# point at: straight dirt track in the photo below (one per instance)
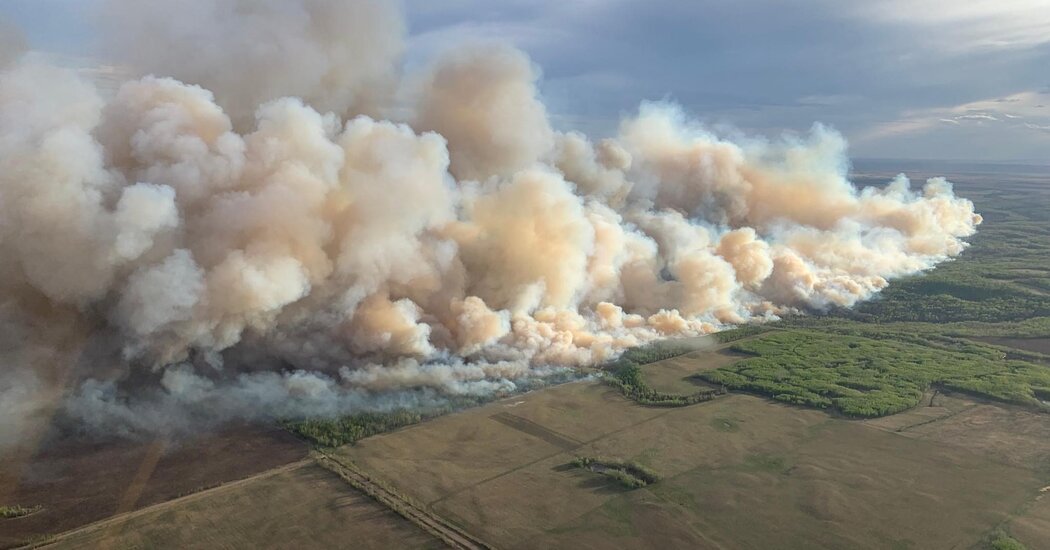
(114, 522)
(433, 524)
(78, 483)
(304, 504)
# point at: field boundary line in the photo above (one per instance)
(561, 451)
(117, 519)
(927, 422)
(430, 522)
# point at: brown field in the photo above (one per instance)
(79, 483)
(303, 506)
(936, 406)
(676, 375)
(1008, 435)
(1032, 525)
(1037, 345)
(738, 472)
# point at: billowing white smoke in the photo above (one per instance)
(309, 262)
(339, 56)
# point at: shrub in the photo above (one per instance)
(625, 479)
(999, 540)
(8, 512)
(626, 374)
(629, 474)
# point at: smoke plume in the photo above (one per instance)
(239, 234)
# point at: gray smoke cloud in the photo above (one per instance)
(12, 43)
(341, 57)
(240, 242)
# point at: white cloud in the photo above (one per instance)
(970, 24)
(1011, 127)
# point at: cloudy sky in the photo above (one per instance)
(942, 79)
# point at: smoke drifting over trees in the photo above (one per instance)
(255, 228)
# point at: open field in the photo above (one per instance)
(304, 506)
(1032, 526)
(1009, 435)
(679, 374)
(79, 483)
(725, 466)
(1037, 345)
(440, 528)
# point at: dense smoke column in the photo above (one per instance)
(244, 243)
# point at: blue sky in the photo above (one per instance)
(945, 79)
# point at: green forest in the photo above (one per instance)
(937, 329)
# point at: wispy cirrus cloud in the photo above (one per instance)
(965, 26)
(1018, 122)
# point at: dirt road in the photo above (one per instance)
(433, 524)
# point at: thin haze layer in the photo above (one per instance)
(204, 264)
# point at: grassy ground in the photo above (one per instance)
(79, 482)
(626, 374)
(305, 507)
(727, 467)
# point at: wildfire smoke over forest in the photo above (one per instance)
(276, 220)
